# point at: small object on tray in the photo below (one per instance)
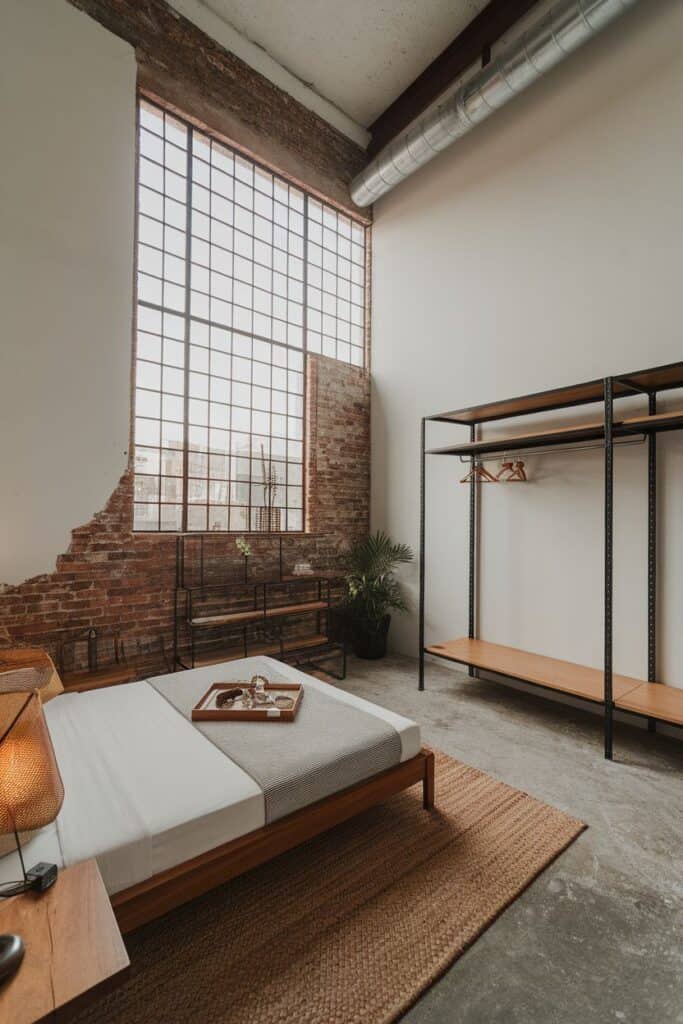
(228, 696)
(255, 701)
(283, 702)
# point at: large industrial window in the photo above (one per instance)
(240, 274)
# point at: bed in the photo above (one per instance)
(172, 808)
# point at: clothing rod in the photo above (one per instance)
(525, 452)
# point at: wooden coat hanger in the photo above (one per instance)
(479, 472)
(515, 471)
(518, 472)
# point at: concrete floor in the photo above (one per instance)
(599, 936)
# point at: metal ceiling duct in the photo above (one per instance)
(565, 28)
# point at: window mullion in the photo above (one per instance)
(188, 292)
(304, 489)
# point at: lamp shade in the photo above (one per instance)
(31, 790)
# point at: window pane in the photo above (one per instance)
(336, 272)
(238, 272)
(145, 517)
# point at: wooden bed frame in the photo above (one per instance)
(155, 896)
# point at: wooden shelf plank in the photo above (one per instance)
(656, 700)
(296, 609)
(564, 676)
(536, 439)
(234, 653)
(258, 614)
(653, 424)
(229, 618)
(526, 405)
(573, 434)
(660, 378)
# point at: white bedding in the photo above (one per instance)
(144, 789)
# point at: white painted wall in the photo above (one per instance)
(67, 123)
(543, 249)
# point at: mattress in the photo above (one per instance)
(144, 789)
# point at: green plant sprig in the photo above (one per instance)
(243, 546)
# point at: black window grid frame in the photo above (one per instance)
(353, 264)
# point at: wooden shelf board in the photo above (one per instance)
(296, 609)
(560, 435)
(564, 676)
(660, 421)
(272, 650)
(525, 405)
(574, 434)
(230, 618)
(655, 700)
(660, 378)
(258, 614)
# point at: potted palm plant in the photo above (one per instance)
(373, 592)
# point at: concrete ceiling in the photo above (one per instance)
(351, 59)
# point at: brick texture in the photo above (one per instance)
(187, 69)
(114, 579)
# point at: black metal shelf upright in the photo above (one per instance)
(606, 433)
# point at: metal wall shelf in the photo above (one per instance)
(259, 614)
(226, 618)
(658, 378)
(594, 431)
(652, 699)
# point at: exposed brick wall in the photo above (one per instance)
(187, 69)
(338, 463)
(112, 578)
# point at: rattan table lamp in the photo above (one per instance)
(31, 795)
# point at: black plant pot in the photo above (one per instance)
(370, 643)
(339, 624)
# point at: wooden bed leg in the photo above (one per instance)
(428, 783)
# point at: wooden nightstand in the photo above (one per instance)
(74, 949)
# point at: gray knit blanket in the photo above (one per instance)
(329, 746)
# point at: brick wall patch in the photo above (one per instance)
(114, 579)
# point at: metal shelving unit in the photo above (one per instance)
(653, 700)
(248, 616)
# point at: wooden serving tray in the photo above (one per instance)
(206, 711)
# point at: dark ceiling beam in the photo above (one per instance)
(473, 42)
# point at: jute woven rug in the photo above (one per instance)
(351, 927)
